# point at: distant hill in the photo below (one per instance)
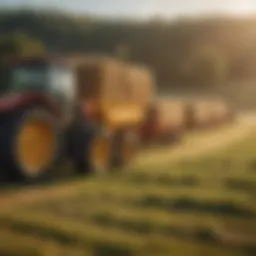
(189, 52)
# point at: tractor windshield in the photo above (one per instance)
(54, 79)
(28, 78)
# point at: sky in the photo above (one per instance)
(140, 8)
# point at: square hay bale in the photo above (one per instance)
(122, 91)
(170, 114)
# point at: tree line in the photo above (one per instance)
(185, 52)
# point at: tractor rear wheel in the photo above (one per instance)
(30, 145)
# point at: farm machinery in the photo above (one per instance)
(95, 111)
(86, 109)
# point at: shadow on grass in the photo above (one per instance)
(27, 228)
(252, 166)
(192, 205)
(203, 234)
(10, 252)
(111, 250)
(7, 185)
(241, 185)
(164, 180)
(65, 238)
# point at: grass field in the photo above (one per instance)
(202, 207)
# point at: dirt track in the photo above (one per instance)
(198, 143)
(194, 144)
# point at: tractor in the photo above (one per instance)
(54, 108)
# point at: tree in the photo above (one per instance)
(20, 45)
(205, 65)
(122, 52)
(14, 46)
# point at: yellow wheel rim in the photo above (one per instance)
(35, 146)
(100, 153)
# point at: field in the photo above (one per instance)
(194, 199)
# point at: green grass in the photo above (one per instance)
(191, 208)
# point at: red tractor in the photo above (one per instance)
(39, 119)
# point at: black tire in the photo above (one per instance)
(10, 125)
(116, 149)
(105, 137)
(81, 153)
(79, 140)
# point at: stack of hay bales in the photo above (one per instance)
(219, 113)
(208, 113)
(198, 114)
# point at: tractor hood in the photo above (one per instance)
(9, 102)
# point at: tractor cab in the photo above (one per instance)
(40, 75)
(51, 78)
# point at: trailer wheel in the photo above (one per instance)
(130, 148)
(30, 138)
(124, 147)
(88, 148)
(100, 152)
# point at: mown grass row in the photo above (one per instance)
(196, 207)
(125, 241)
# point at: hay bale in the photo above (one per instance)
(121, 91)
(142, 84)
(198, 114)
(170, 114)
(165, 121)
(98, 77)
(111, 79)
(219, 112)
